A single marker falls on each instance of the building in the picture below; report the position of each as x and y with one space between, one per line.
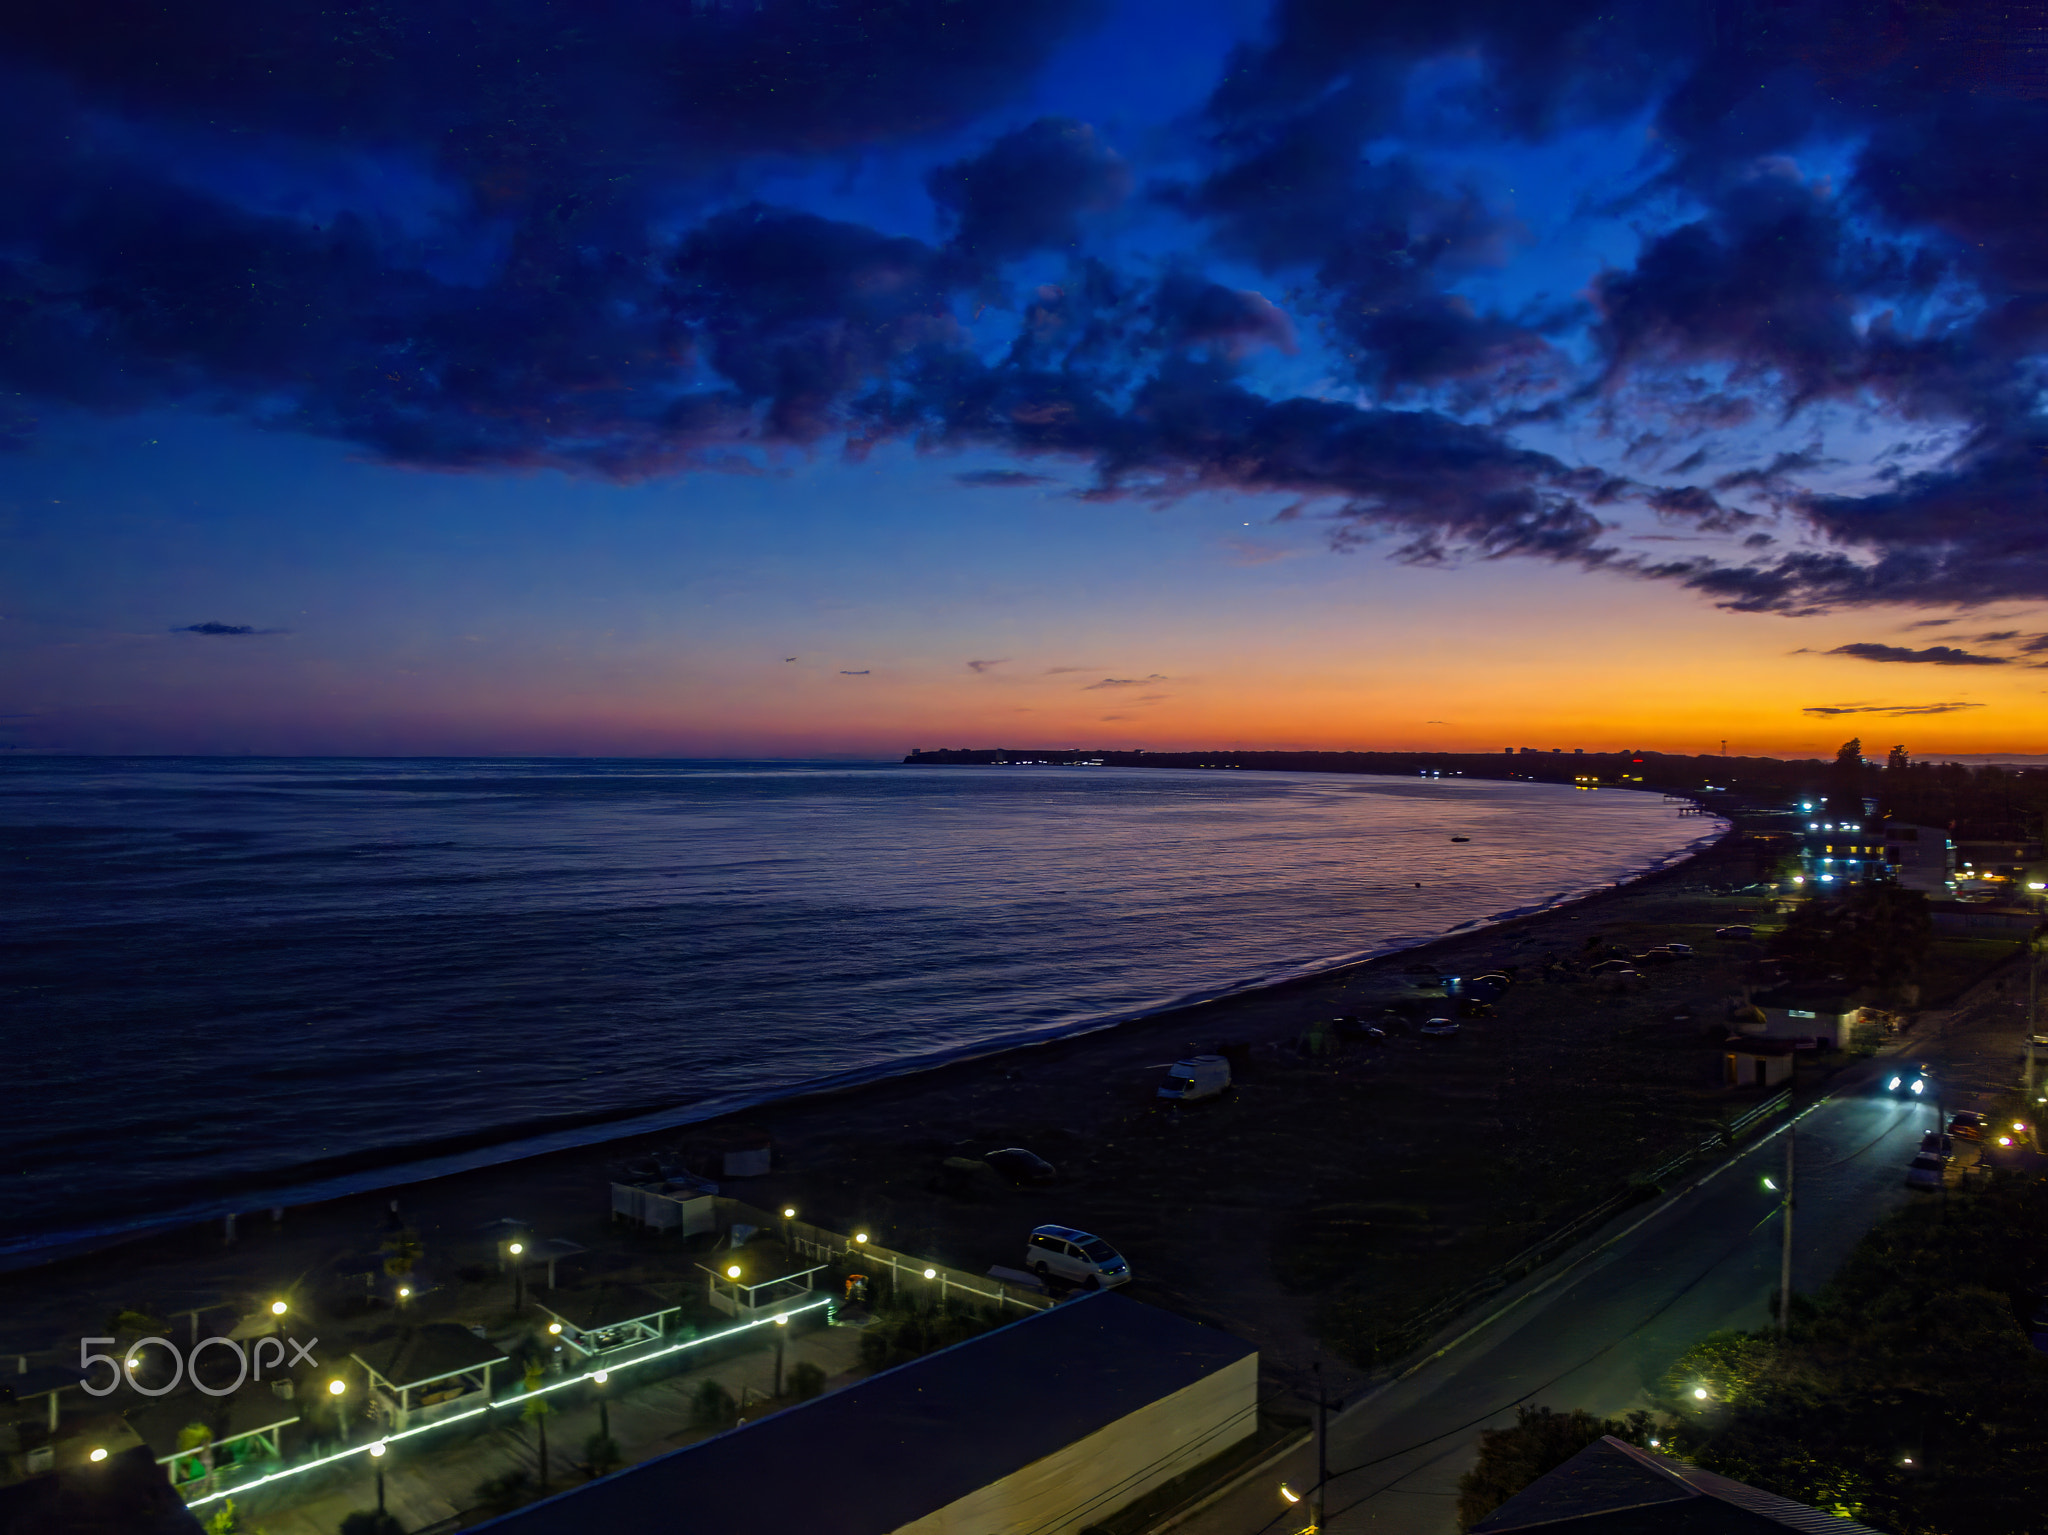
1801 1016
1757 1063
434 1370
1982 921
1920 857
1613 1488
1834 854
1042 1427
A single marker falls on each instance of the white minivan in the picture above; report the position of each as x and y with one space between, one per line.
1061 1252
1199 1076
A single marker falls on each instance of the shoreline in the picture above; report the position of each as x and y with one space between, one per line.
612 1140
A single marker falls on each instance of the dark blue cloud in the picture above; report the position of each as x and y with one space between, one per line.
527 238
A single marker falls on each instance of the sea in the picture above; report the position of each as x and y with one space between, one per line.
229 984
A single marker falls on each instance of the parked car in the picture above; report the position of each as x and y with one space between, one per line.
1966 1123
1935 1144
1061 1252
1439 1028
1736 930
1656 957
1925 1173
1021 1166
1682 950
1197 1077
1608 966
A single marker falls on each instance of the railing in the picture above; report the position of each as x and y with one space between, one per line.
807 1240
1414 1329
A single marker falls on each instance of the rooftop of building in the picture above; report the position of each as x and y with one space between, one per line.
911 1440
1616 1488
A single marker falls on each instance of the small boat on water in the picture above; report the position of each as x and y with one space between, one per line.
1461 839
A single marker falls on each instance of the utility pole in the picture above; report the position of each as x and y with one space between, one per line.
2033 1013
1785 1259
1315 1517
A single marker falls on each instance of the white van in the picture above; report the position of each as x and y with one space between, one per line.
1199 1076
1061 1252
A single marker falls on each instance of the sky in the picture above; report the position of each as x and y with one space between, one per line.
775 378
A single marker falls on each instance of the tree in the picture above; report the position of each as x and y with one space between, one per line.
1541 1441
536 1412
1845 783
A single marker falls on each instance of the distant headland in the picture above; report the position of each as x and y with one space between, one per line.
1673 773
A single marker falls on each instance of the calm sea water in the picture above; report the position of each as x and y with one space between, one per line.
233 983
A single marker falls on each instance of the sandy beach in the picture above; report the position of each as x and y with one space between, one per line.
1325 1194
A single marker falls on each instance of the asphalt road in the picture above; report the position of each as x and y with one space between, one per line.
1600 1335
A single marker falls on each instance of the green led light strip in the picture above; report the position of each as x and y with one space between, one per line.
477 1412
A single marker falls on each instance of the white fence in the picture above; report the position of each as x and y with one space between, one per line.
910 1276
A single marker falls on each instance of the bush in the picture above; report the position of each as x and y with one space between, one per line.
502 1494
601 1453
806 1380
712 1406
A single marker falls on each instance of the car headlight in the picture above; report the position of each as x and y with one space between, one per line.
1917 1086
1895 1083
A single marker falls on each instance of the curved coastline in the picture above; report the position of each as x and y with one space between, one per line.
507 1145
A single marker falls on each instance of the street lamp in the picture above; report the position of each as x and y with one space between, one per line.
781 1337
732 1271
604 1408
338 1389
1699 1393
97 1455
518 1278
377 1459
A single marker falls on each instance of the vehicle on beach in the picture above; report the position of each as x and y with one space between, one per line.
1927 1172
1021 1166
1439 1028
1197 1077
1967 1124
1061 1252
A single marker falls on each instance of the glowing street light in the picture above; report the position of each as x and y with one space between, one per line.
377 1457
516 1249
1699 1393
278 1308
337 1387
931 1273
97 1455
860 1238
1289 1493
789 1212
1770 1185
